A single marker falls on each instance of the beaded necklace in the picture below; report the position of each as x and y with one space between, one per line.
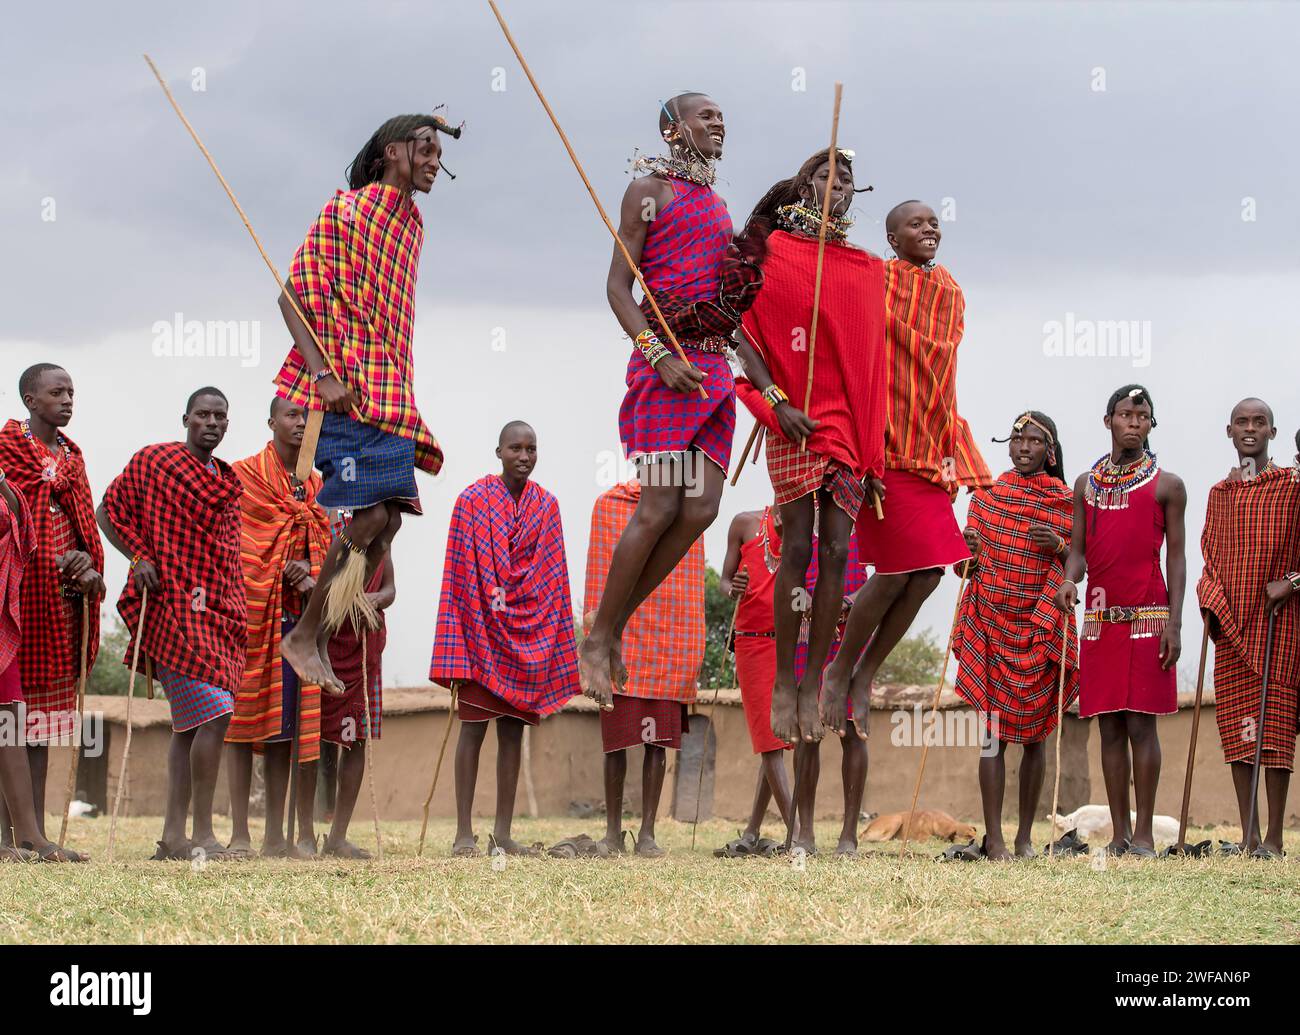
52 457
807 221
771 560
693 168
1109 484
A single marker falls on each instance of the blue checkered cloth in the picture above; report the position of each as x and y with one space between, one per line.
362 465
654 419
193 701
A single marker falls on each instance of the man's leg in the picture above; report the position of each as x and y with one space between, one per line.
834 530
1116 773
853 774
178 790
653 767
468 746
807 767
510 740
873 602
1146 775
1241 773
239 781
306 810
615 777
773 772
352 768
16 793
993 782
205 762
38 760
1276 781
275 774
1033 768
762 796
788 604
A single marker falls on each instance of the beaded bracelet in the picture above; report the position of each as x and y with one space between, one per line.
1293 577
773 395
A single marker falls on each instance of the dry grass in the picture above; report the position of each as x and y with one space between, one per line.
687 897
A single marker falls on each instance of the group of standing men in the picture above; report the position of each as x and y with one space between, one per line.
256 598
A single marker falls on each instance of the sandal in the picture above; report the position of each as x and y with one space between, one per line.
215 852
1067 844
531 851
1141 851
1228 848
240 854
470 851
766 847
580 846
1196 851
1264 852
52 853
344 850
13 854
738 848
971 852
172 853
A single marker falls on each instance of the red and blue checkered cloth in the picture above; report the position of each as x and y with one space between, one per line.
17 545
685 242
193 701
655 419
505 613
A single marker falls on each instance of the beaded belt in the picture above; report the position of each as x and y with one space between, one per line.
1143 621
740 634
714 343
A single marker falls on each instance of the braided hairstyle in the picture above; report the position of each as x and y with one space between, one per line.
1138 394
368 166
1055 461
783 192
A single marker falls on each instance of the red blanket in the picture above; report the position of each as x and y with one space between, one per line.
16 546
47 658
850 370
505 614
169 509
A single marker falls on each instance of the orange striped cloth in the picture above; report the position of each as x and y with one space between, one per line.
925 317
276 529
663 644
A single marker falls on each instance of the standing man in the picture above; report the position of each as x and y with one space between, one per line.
283 542
663 648
1124 508
1251 545
64 577
354 279
174 513
505 638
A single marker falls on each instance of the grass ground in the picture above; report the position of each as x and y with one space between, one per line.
687 897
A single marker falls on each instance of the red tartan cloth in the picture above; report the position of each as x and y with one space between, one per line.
795 473
636 721
1252 537
1008 637
850 369
47 658
663 643
169 509
1236 712
355 278
17 545
505 613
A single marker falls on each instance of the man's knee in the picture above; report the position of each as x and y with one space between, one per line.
796 551
657 510
832 554
925 582
701 511
509 728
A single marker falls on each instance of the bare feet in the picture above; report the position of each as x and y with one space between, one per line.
834 702
810 724
847 848
344 849
614 843
465 847
995 850
785 722
512 847
1025 850
860 698
594 663
617 670
647 848
305 659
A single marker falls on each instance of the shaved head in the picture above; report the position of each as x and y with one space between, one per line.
896 214
513 426
1251 403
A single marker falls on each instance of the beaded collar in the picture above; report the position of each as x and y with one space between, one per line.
52 457
703 171
771 560
1109 484
806 221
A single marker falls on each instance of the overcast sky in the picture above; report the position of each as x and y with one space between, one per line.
1094 163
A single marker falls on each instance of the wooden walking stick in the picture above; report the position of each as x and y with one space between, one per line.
437 769
311 434
713 707
627 256
295 752
81 704
821 256
1259 734
934 707
370 766
126 746
1060 716
1181 847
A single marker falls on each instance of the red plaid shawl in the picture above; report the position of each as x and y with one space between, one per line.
47 658
355 276
167 508
850 371
505 614
1008 638
663 644
1252 537
17 543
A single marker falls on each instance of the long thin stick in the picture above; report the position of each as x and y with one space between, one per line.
934 707
821 255
307 452
126 747
370 766
1060 715
526 758
753 435
81 704
704 748
1259 734
1191 750
437 769
627 256
295 753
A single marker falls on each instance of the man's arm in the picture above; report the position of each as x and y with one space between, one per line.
1067 597
387 592
1175 504
337 397
142 570
11 500
795 424
734 581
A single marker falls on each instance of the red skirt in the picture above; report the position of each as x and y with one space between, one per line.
479 704
638 720
11 684
756 672
919 531
1236 711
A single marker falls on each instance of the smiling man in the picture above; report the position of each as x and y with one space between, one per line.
1251 545
354 279
174 513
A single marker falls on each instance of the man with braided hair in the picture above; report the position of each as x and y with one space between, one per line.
354 280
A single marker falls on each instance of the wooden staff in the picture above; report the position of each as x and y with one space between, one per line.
370 767
81 704
295 753
821 256
311 434
1181 847
627 256
437 769
1253 818
713 707
1060 715
126 747
934 707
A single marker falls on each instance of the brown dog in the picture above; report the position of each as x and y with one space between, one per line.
928 823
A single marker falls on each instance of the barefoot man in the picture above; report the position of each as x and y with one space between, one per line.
663 648
929 452
63 578
505 636
1251 545
284 538
174 513
1132 624
354 278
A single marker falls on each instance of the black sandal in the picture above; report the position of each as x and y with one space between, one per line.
52 853
1067 844
170 853
971 852
344 850
737 848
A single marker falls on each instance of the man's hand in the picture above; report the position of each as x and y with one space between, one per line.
145 576
73 564
679 376
1045 536
875 490
1067 597
1277 594
795 424
972 538
739 583
336 397
90 584
296 571
1171 645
